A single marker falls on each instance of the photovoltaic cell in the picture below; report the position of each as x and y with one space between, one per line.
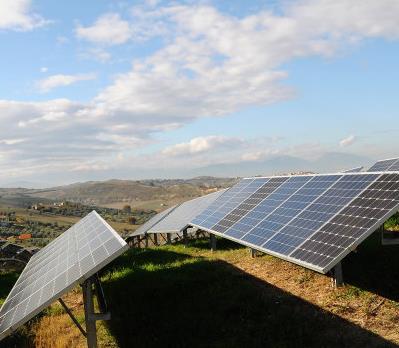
312 220
388 165
231 199
266 206
68 260
263 190
286 215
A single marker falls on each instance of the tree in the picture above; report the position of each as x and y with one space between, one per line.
127 208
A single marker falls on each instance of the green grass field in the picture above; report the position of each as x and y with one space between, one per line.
173 296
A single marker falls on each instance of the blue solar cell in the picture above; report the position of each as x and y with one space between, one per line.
313 217
290 208
231 199
268 205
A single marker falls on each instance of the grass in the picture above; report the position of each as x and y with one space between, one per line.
176 296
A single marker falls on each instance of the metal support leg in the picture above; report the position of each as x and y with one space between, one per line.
252 252
91 331
338 279
168 238
185 239
213 241
72 317
156 239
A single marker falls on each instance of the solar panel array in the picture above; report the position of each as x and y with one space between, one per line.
388 165
152 222
311 220
180 217
68 260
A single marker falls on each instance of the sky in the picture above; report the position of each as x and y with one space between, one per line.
96 89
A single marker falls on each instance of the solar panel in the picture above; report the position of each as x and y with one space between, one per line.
68 260
353 170
153 221
311 220
388 165
180 217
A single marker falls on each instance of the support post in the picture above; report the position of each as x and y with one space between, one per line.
91 331
338 279
168 238
146 240
185 239
252 252
156 239
212 241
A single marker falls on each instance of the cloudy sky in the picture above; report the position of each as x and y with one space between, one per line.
97 89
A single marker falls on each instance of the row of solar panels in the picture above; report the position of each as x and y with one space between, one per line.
312 220
177 218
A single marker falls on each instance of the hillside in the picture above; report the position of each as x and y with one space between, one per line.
151 194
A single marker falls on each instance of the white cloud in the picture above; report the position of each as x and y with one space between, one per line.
60 80
200 144
211 65
96 53
347 141
109 29
43 69
16 15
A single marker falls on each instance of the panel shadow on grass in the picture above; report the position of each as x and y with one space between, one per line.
184 301
374 268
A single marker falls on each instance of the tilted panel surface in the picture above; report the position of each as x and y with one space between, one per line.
287 212
353 223
385 165
266 206
312 217
227 202
71 258
152 222
394 167
180 217
295 219
264 189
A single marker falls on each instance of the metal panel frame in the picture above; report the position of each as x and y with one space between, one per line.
267 251
84 277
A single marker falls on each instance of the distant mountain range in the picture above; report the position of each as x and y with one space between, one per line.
330 162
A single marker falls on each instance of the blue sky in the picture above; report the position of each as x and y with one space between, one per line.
137 89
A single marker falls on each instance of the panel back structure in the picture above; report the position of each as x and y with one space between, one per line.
67 261
311 220
180 218
387 165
